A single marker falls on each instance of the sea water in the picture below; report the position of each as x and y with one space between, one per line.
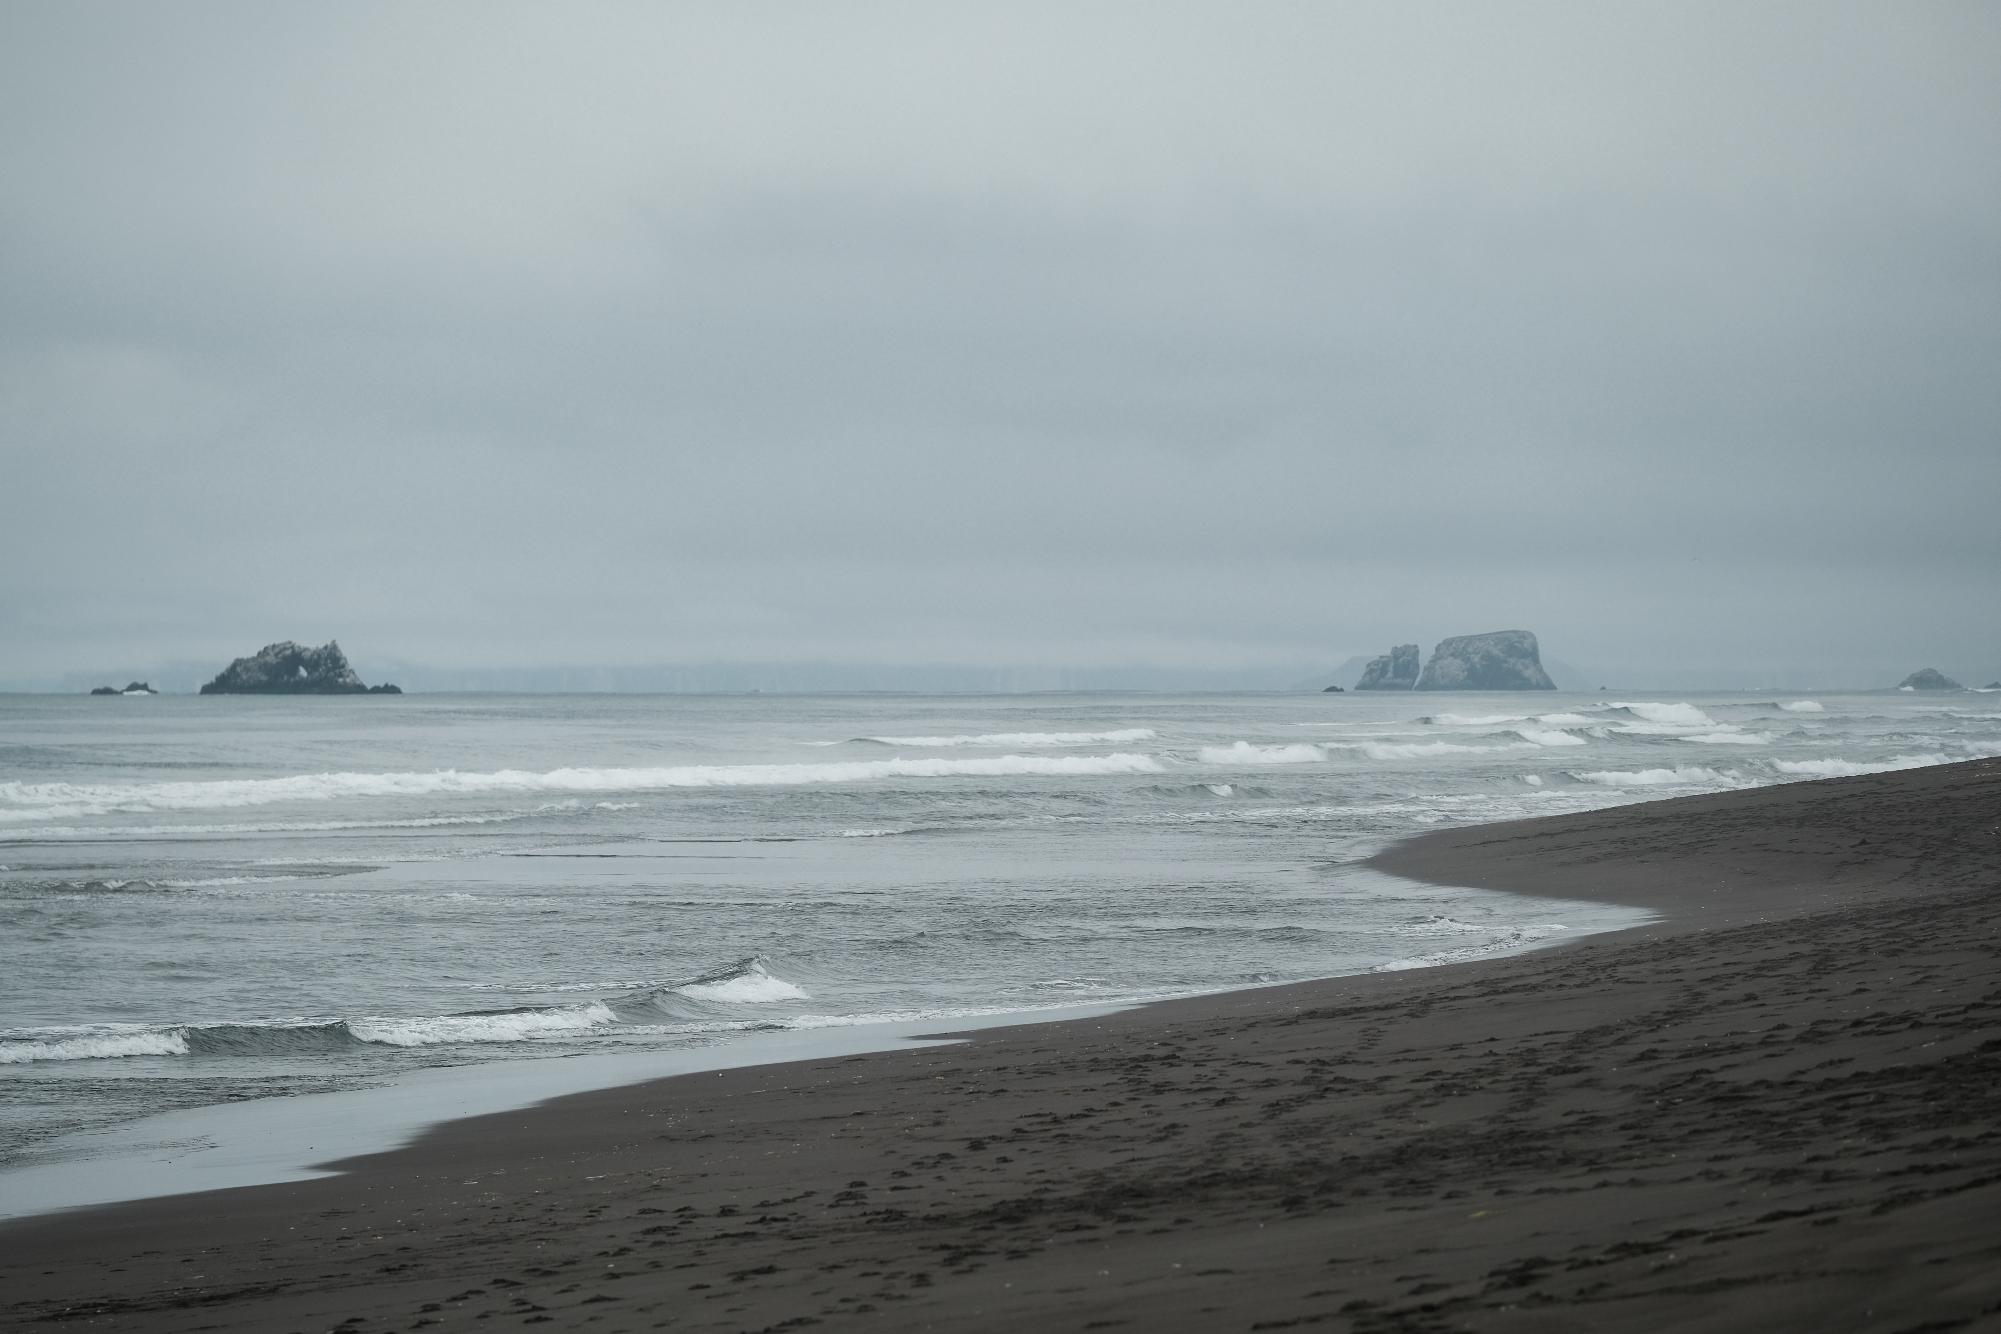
205 900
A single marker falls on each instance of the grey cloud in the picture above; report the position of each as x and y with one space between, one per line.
1147 334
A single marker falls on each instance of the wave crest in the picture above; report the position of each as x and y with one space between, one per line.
32 801
1033 740
1833 767
1683 775
746 982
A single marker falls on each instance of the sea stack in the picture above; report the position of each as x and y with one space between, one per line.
1497 660
1929 678
293 669
1395 670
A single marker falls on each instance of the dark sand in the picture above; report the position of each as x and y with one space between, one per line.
1775 1109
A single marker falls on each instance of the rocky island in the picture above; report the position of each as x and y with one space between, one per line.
293 669
1929 678
131 688
1497 660
1395 670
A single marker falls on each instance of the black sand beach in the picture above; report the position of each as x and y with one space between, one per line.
1776 1108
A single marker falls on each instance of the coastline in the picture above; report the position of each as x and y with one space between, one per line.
1775 1106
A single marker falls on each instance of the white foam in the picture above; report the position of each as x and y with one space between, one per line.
290 827
753 986
1673 715
1839 768
1415 750
1506 943
1803 706
1533 780
1549 736
513 1026
1565 720
1685 775
94 1044
1120 736
1243 752
28 801
1727 738
217 882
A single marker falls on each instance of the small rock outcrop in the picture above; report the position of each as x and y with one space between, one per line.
1395 670
131 688
1497 660
293 669
1333 690
1929 678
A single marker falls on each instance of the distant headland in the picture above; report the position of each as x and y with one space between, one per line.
293 669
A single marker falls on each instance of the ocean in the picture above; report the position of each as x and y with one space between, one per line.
205 901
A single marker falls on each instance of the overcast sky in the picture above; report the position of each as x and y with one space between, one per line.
1191 335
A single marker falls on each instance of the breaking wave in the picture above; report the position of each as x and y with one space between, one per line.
1310 752
1683 775
304 1037
1243 752
1839 768
93 1045
492 1026
1549 736
1803 706
745 982
1671 715
38 801
1033 740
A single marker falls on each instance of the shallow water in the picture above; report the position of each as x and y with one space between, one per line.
204 900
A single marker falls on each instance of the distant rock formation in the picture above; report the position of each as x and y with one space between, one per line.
1498 660
1333 690
293 669
1928 678
1395 670
131 688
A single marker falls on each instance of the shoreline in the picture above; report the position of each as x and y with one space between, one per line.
1705 1120
275 1140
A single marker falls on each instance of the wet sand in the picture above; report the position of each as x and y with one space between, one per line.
1779 1107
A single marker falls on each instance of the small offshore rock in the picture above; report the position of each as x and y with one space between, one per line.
1929 678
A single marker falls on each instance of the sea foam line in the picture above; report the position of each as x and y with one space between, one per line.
57 800
1317 752
1121 736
